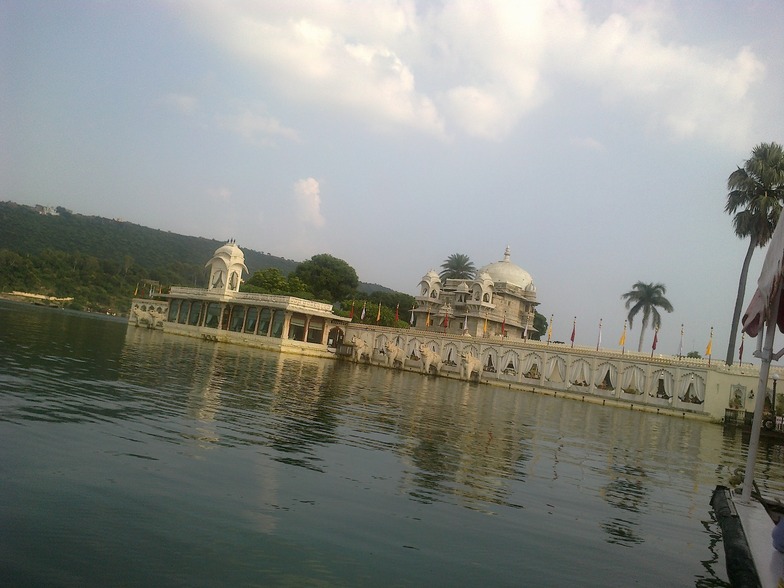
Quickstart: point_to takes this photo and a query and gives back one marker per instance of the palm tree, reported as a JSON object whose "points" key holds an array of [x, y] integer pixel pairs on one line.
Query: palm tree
{"points": [[755, 194], [457, 266], [646, 297]]}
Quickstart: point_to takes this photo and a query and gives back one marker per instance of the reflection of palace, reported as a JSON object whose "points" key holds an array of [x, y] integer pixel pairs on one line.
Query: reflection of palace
{"points": [[499, 301], [221, 312]]}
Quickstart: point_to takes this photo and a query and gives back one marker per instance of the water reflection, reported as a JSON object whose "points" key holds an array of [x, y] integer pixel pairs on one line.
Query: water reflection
{"points": [[348, 459]]}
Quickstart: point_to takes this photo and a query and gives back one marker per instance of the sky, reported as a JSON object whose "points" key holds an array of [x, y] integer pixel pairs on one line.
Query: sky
{"points": [[594, 138]]}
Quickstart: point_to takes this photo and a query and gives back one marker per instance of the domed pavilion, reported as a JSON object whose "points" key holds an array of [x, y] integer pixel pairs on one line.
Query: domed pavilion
{"points": [[499, 301]]}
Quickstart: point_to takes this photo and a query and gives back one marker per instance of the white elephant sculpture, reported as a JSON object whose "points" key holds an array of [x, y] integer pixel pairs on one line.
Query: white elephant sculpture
{"points": [[360, 348], [394, 353], [429, 358], [469, 364]]}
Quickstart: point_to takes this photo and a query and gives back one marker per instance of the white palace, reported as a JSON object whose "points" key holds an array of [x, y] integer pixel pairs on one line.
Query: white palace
{"points": [[472, 330]]}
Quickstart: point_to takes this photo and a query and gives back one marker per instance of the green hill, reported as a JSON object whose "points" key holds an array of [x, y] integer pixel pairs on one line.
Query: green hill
{"points": [[100, 261]]}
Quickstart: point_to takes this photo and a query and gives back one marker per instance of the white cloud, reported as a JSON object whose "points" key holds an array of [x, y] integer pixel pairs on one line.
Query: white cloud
{"points": [[307, 198], [181, 103], [257, 126], [222, 194], [479, 69]]}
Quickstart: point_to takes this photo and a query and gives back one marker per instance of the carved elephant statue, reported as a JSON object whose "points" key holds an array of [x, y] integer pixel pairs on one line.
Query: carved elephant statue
{"points": [[394, 354], [429, 358], [360, 348], [469, 364]]}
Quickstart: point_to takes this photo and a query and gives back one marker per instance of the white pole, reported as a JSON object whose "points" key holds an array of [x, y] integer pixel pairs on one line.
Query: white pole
{"points": [[762, 389]]}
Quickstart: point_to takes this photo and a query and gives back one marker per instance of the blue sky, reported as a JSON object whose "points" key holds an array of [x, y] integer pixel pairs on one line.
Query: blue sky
{"points": [[593, 138]]}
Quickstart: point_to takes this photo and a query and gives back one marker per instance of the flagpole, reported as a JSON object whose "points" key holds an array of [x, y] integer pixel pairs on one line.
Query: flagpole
{"points": [[622, 342], [550, 329], [574, 326], [599, 340], [680, 346], [709, 350]]}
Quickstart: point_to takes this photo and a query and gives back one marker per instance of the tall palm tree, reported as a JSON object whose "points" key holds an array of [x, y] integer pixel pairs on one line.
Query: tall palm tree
{"points": [[755, 194], [458, 266], [646, 297]]}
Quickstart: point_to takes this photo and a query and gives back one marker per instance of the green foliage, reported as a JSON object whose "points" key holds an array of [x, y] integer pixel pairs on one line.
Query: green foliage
{"points": [[457, 266], [540, 324], [272, 281], [101, 262], [694, 355], [646, 298], [328, 277]]}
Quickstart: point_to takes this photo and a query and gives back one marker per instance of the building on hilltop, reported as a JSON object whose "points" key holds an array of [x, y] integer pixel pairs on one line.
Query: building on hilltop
{"points": [[499, 301]]}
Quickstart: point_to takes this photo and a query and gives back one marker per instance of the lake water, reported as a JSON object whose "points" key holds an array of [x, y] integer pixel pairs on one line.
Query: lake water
{"points": [[134, 458]]}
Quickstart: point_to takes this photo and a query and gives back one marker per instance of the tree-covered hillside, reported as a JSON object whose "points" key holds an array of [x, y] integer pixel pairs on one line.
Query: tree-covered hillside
{"points": [[101, 262]]}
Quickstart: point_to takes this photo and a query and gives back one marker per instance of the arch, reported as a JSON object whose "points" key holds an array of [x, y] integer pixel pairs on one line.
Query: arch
{"points": [[490, 360], [662, 384], [335, 337], [278, 319], [532, 366], [212, 316], [606, 376], [510, 363], [451, 354], [182, 317], [691, 389], [556, 369], [412, 348], [379, 343], [633, 380], [580, 373]]}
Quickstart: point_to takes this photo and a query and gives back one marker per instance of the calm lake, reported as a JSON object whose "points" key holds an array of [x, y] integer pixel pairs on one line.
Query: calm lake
{"points": [[134, 458]]}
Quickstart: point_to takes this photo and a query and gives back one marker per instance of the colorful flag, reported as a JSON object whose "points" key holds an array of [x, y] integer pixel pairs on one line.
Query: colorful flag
{"points": [[622, 341], [397, 312], [378, 314], [550, 329], [709, 348], [465, 324], [362, 316], [574, 327], [655, 340], [351, 312], [446, 320], [599, 340], [503, 326], [135, 292], [412, 316], [740, 349], [484, 330], [525, 332]]}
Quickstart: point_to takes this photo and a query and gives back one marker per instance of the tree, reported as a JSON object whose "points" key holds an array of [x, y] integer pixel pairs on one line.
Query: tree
{"points": [[646, 297], [328, 277], [755, 194], [540, 324], [457, 266]]}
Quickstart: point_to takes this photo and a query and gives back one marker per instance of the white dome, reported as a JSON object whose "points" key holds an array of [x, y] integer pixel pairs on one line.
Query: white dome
{"points": [[506, 271]]}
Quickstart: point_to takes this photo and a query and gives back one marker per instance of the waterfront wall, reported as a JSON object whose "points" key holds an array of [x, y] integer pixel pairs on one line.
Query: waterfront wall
{"points": [[685, 386]]}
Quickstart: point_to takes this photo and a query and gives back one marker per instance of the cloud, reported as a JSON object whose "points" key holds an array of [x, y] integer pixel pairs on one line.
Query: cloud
{"points": [[257, 127], [459, 67], [221, 194], [307, 198], [181, 103]]}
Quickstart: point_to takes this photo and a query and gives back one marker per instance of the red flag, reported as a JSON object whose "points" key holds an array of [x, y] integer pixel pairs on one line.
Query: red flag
{"points": [[574, 326], [446, 320], [351, 312], [740, 350], [397, 310], [503, 326], [655, 339]]}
